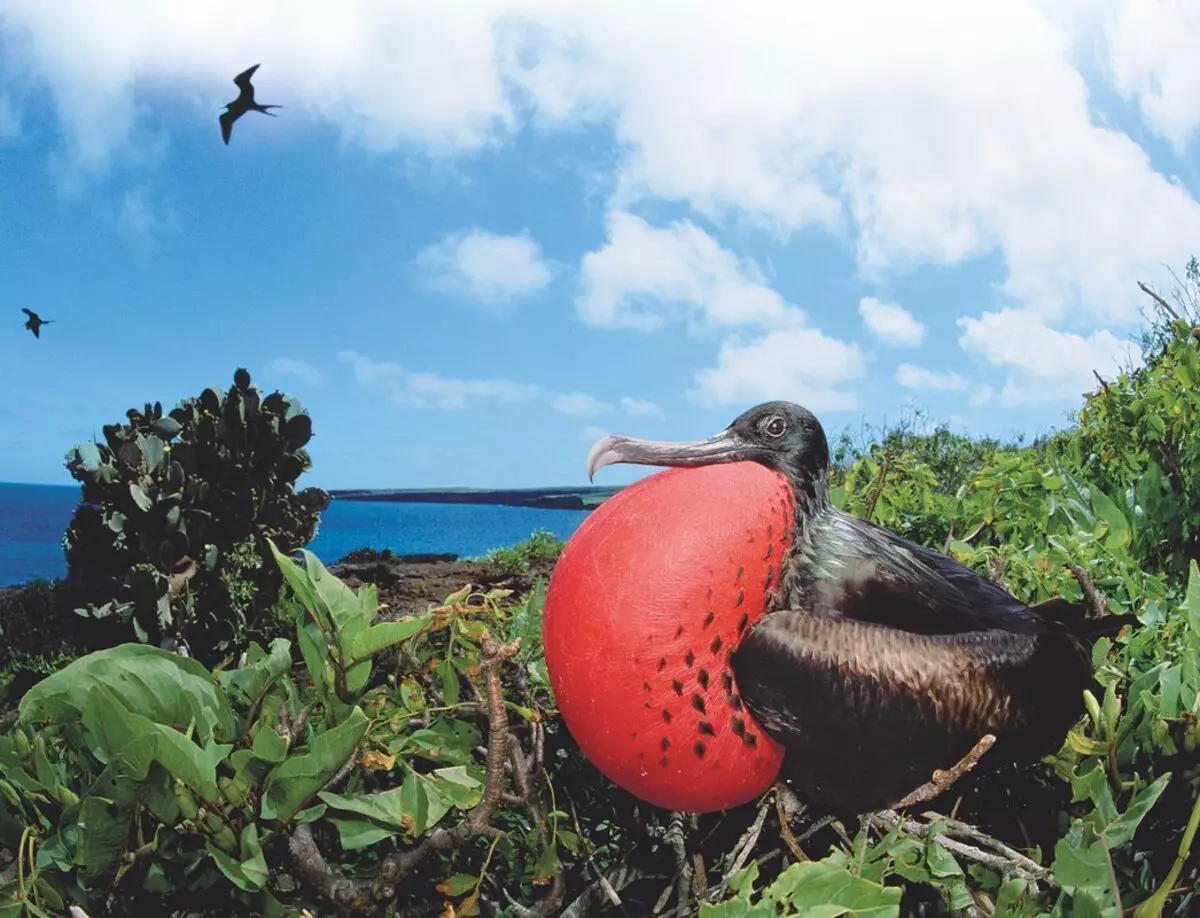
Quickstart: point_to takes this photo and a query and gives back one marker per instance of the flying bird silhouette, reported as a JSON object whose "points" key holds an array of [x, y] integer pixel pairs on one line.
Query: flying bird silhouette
{"points": [[242, 104], [35, 322]]}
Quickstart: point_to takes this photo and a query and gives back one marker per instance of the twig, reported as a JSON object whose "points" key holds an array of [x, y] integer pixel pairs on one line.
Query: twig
{"points": [[545, 906], [1158, 299], [943, 779], [678, 842], [1007, 864], [616, 880], [1097, 604], [345, 892], [996, 566], [477, 822], [1100, 379], [713, 893], [749, 838], [788, 805]]}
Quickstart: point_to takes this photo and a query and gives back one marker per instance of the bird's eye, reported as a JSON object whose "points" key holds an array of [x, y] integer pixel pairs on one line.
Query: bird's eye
{"points": [[775, 426]]}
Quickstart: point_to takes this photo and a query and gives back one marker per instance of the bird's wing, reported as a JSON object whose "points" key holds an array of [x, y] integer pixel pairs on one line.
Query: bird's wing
{"points": [[868, 712], [226, 119], [37, 330], [242, 80], [861, 571]]}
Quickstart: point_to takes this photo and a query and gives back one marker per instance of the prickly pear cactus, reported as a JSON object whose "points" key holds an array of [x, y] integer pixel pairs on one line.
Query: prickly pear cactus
{"points": [[176, 509]]}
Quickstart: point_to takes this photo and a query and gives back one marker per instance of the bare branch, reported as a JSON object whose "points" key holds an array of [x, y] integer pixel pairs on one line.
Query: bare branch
{"points": [[1160, 301], [943, 779], [880, 479], [1096, 602]]}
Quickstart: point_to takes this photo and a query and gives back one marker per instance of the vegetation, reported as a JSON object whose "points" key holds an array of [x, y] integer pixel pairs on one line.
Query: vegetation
{"points": [[176, 511], [356, 761], [542, 545]]}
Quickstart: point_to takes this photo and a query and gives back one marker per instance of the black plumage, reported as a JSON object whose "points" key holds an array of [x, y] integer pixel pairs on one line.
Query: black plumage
{"points": [[881, 661], [242, 104], [35, 322]]}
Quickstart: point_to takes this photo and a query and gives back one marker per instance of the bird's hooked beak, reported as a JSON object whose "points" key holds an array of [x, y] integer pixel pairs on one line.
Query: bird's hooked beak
{"points": [[726, 446]]}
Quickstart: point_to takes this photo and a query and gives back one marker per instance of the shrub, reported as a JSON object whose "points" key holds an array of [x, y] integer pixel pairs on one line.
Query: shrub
{"points": [[176, 510]]}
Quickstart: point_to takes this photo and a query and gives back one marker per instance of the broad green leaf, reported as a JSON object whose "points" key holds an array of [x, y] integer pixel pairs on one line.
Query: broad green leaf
{"points": [[457, 884], [250, 873], [413, 807], [131, 743], [384, 635], [164, 687], [294, 782], [1122, 829], [355, 834], [250, 682], [831, 891]]}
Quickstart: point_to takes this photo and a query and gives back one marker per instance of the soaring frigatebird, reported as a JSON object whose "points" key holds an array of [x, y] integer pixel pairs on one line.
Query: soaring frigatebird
{"points": [[35, 322], [242, 104], [876, 661]]}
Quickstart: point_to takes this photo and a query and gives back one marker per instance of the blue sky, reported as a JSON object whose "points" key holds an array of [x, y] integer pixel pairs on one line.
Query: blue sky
{"points": [[472, 243]]}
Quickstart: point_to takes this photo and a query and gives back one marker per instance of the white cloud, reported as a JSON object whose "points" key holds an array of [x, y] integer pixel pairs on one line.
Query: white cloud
{"points": [[952, 131], [644, 276], [794, 363], [425, 390], [1154, 55], [579, 403], [1044, 364], [485, 266], [638, 405], [591, 433], [305, 372], [914, 377], [890, 323]]}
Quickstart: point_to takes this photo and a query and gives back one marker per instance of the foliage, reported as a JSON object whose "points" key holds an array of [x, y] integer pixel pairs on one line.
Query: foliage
{"points": [[542, 545], [357, 762], [176, 510]]}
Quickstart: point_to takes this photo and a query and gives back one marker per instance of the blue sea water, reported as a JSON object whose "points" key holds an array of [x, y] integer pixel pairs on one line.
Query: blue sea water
{"points": [[33, 519]]}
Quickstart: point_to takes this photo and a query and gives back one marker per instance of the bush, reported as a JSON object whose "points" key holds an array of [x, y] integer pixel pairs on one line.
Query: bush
{"points": [[176, 510], [542, 545]]}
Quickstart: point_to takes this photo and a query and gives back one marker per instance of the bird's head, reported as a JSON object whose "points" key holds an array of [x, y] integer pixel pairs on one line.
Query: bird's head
{"points": [[780, 435]]}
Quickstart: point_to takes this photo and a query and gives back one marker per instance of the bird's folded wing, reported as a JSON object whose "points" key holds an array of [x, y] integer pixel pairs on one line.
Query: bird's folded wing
{"points": [[890, 707]]}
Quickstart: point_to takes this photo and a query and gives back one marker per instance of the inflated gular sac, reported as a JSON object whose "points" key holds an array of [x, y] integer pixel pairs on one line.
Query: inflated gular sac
{"points": [[645, 607]]}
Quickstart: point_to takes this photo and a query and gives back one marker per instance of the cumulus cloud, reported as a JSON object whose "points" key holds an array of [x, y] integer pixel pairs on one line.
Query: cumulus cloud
{"points": [[914, 377], [639, 406], [288, 366], [484, 266], [1154, 61], [422, 389], [646, 275], [591, 433], [890, 323], [951, 133], [798, 364], [1043, 364], [579, 403]]}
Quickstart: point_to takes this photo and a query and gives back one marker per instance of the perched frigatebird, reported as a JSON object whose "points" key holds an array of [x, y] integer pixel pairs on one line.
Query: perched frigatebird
{"points": [[709, 628], [35, 322], [242, 104]]}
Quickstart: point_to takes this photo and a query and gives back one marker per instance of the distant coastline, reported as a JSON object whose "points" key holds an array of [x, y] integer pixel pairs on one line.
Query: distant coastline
{"points": [[585, 498]]}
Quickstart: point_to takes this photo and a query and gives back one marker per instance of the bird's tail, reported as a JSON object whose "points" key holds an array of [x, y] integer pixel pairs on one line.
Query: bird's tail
{"points": [[1074, 615]]}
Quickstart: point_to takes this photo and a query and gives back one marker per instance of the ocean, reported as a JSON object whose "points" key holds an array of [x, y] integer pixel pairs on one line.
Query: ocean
{"points": [[33, 519]]}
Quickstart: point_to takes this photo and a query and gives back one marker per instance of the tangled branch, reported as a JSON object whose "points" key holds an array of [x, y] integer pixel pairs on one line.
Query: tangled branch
{"points": [[358, 894]]}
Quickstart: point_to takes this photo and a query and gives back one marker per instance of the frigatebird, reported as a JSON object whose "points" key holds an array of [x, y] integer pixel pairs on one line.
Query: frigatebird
{"points": [[242, 104], [875, 662], [35, 322]]}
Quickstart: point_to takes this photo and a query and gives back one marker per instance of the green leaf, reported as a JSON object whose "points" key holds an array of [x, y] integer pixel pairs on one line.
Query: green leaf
{"points": [[356, 834], [296, 780], [457, 884], [165, 687], [250, 682], [1122, 829], [380, 637], [413, 807], [250, 873]]}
